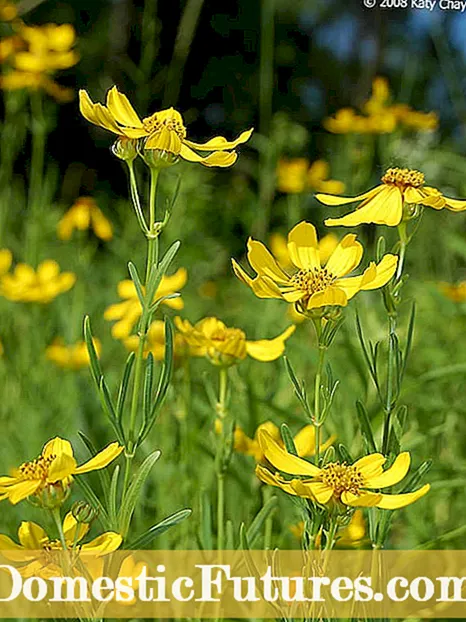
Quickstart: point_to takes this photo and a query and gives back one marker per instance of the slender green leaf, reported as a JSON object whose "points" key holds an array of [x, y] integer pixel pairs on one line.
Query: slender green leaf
{"points": [[149, 536], [137, 283], [366, 427], [205, 527], [109, 410], [112, 497], [123, 390], [288, 440], [159, 271], [148, 384], [95, 367], [102, 473], [255, 528]]}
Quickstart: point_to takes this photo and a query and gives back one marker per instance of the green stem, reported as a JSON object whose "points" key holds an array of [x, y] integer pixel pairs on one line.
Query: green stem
{"points": [[220, 463], [153, 241], [317, 385], [220, 510], [135, 198], [403, 245], [57, 520], [332, 532], [389, 405]]}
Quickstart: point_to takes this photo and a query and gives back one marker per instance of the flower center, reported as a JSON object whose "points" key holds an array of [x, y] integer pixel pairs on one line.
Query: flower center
{"points": [[155, 123], [342, 478], [403, 177], [38, 468], [312, 281]]}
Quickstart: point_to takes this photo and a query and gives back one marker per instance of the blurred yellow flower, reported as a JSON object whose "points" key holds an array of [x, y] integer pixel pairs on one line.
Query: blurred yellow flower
{"points": [[129, 311], [350, 536], [71, 357], [304, 440], [313, 286], [84, 214], [226, 346], [341, 483], [456, 293], [43, 285], [380, 117], [8, 11], [5, 260], [383, 205], [53, 469], [296, 176], [163, 131], [32, 537], [155, 342], [279, 247], [208, 289], [44, 51]]}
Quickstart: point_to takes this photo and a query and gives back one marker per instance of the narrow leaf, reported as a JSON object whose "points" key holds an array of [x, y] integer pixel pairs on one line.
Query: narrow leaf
{"points": [[137, 283], [148, 536], [366, 427], [255, 528]]}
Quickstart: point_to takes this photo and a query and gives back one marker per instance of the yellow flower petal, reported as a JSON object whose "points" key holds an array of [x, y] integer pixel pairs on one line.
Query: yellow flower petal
{"points": [[262, 287], [353, 284], [218, 143], [329, 199], [20, 491], [370, 466], [363, 500], [332, 295], [101, 460], [385, 270], [97, 114], [57, 447], [282, 460], [218, 158], [103, 544], [303, 246], [383, 208], [455, 205], [5, 260], [72, 530], [393, 502], [269, 349], [393, 475], [271, 479], [263, 262], [32, 536], [318, 491], [346, 257], [121, 109], [7, 544], [304, 441]]}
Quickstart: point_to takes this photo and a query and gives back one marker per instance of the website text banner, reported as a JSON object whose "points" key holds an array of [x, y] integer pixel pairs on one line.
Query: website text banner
{"points": [[233, 584]]}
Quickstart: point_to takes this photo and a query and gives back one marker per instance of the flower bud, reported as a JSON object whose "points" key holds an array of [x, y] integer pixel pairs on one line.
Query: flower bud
{"points": [[83, 512], [125, 148], [52, 496], [156, 158]]}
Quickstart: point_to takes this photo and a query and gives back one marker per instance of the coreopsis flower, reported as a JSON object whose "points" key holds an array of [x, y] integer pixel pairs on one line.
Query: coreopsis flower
{"points": [[312, 286], [383, 205], [52, 472], [155, 342], [296, 176], [27, 285], [72, 357], [304, 441], [352, 485], [163, 131], [455, 292], [84, 214], [33, 537], [279, 247], [350, 536], [226, 346], [128, 312], [46, 50]]}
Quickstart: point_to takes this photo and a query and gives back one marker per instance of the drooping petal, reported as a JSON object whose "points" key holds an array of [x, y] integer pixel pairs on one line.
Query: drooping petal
{"points": [[218, 143], [455, 205], [313, 490], [282, 460], [217, 158], [363, 500], [330, 199], [97, 114], [353, 284], [272, 479], [21, 490], [269, 349], [7, 544], [304, 441], [32, 536], [385, 271], [101, 460], [332, 295], [393, 475], [263, 262], [103, 544], [370, 466], [121, 109], [303, 246], [393, 502], [346, 257], [383, 208]]}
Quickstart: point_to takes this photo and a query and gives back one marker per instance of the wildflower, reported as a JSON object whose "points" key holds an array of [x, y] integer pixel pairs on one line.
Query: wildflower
{"points": [[348, 484], [53, 469], [383, 205], [351, 535], [296, 176], [48, 49], [71, 357], [129, 311], [456, 293], [163, 131], [279, 248], [43, 285], [227, 346], [155, 342], [304, 441], [313, 286], [84, 214]]}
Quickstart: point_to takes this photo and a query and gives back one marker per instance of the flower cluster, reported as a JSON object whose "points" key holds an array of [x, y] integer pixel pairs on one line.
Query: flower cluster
{"points": [[380, 117], [25, 284], [296, 176]]}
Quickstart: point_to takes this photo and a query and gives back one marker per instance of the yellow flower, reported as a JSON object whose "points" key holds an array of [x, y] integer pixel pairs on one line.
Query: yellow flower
{"points": [[84, 214], [164, 131], [383, 205], [26, 285], [456, 293], [33, 538], [304, 441], [313, 286], [129, 311], [379, 97], [351, 535], [54, 468], [227, 346], [350, 485], [345, 121], [72, 357], [413, 119], [279, 248], [296, 176], [5, 260], [155, 342]]}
